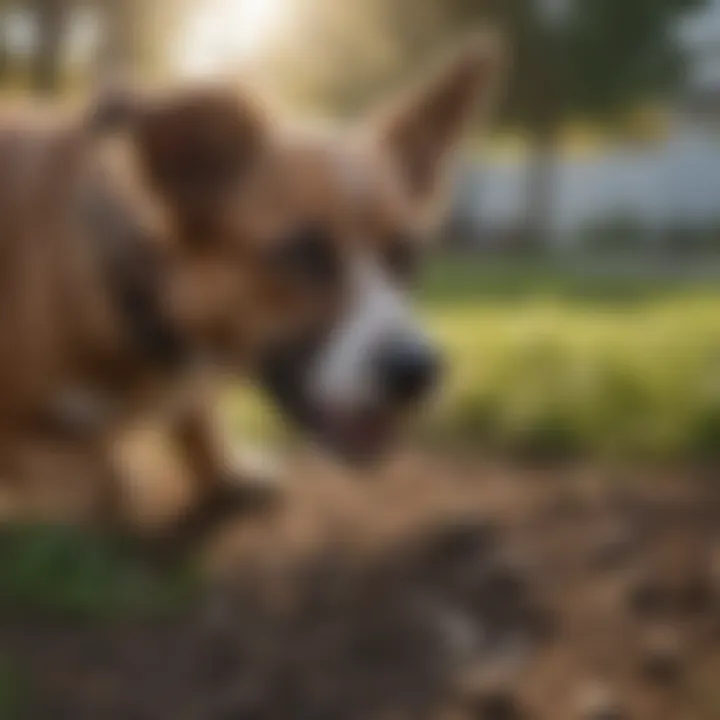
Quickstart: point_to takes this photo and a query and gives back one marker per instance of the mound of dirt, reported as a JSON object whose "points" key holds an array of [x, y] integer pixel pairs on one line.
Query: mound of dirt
{"points": [[451, 588]]}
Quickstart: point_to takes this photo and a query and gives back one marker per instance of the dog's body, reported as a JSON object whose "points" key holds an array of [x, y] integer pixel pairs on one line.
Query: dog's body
{"points": [[69, 230], [203, 235], [84, 347]]}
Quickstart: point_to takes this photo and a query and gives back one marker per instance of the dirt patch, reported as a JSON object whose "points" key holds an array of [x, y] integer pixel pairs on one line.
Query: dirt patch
{"points": [[450, 589]]}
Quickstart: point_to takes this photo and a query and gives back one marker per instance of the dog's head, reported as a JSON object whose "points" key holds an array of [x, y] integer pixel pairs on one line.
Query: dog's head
{"points": [[295, 249]]}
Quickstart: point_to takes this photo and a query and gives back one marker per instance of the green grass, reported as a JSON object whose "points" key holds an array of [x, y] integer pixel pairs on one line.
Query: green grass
{"points": [[12, 690], [603, 281], [69, 573], [553, 377], [557, 361]]}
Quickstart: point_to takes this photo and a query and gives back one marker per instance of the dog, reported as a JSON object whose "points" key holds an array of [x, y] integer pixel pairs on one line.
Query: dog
{"points": [[160, 239]]}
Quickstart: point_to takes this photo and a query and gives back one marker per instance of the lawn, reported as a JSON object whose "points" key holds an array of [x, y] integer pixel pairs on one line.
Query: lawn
{"points": [[549, 361], [556, 361]]}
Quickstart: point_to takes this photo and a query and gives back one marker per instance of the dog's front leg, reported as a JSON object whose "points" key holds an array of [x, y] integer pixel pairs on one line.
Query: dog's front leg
{"points": [[226, 482]]}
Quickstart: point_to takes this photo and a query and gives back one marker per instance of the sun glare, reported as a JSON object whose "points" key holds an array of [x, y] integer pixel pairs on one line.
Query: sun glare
{"points": [[224, 33]]}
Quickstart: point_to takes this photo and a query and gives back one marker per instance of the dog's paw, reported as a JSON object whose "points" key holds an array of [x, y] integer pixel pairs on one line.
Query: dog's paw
{"points": [[250, 485], [254, 478]]}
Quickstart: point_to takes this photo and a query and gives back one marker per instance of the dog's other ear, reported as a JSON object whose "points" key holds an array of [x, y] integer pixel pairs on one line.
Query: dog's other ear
{"points": [[196, 145], [422, 131]]}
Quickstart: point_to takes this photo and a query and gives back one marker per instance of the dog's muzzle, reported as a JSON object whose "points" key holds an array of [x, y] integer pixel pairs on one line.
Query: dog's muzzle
{"points": [[405, 373]]}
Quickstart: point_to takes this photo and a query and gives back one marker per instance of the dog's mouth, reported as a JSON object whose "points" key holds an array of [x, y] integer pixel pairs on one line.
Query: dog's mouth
{"points": [[358, 435]]}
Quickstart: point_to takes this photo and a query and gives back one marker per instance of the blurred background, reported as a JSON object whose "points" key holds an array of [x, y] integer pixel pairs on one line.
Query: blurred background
{"points": [[552, 550]]}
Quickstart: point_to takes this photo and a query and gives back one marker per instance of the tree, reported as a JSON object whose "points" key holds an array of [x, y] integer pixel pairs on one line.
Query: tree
{"points": [[136, 34], [133, 34], [603, 58], [117, 51], [4, 53], [50, 17]]}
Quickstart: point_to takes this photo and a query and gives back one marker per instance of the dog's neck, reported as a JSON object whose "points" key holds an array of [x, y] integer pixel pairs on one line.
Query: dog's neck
{"points": [[131, 268], [133, 272]]}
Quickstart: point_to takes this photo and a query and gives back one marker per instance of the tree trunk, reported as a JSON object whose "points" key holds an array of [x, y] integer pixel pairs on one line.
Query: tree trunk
{"points": [[50, 16], [540, 190], [545, 113], [119, 44], [4, 55]]}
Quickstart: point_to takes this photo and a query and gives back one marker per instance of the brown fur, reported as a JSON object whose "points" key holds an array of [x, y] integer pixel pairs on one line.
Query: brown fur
{"points": [[211, 191]]}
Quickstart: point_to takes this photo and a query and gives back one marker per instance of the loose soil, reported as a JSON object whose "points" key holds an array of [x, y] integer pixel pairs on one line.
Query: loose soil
{"points": [[452, 588]]}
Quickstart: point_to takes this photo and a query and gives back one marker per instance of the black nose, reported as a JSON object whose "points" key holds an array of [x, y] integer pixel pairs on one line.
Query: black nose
{"points": [[408, 370]]}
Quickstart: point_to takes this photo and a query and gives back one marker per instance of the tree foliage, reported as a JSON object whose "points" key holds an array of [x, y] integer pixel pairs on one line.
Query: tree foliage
{"points": [[606, 57], [132, 34], [618, 53]]}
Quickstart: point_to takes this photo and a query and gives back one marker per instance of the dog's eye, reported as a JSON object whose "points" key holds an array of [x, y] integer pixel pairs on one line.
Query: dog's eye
{"points": [[309, 256], [402, 258]]}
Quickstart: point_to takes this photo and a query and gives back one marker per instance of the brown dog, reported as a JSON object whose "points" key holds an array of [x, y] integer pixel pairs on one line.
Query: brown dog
{"points": [[204, 234]]}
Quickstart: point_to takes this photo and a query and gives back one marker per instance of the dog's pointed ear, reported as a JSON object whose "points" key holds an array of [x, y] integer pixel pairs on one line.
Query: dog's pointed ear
{"points": [[421, 131]]}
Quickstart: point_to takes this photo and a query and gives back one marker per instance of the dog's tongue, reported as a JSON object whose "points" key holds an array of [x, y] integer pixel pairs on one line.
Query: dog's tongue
{"points": [[361, 433]]}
